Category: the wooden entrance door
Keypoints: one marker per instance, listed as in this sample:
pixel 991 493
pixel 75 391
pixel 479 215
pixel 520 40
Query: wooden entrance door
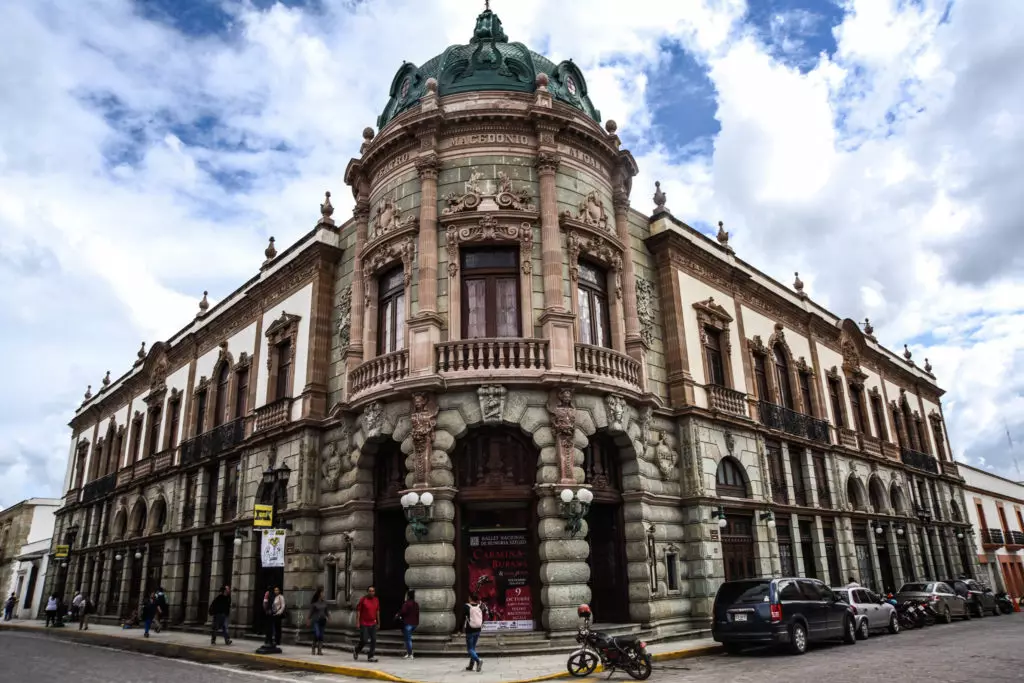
pixel 609 582
pixel 389 564
pixel 738 547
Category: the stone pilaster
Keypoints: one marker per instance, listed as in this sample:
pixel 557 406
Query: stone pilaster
pixel 558 323
pixel 192 606
pixel 425 326
pixel 564 572
pixel 124 584
pixel 355 353
pixel 636 347
pixel 104 587
pixel 431 571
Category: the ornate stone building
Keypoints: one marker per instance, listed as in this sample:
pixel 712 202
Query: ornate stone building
pixel 498 332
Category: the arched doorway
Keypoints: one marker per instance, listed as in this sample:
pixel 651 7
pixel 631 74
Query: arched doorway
pixel 737 537
pixel 496 552
pixel 389 541
pixel 609 581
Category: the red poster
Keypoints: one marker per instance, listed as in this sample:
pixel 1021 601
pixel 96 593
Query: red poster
pixel 499 572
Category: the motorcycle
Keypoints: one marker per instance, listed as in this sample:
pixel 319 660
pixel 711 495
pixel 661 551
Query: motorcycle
pixel 930 615
pixel 612 653
pixel 1004 602
pixel 907 615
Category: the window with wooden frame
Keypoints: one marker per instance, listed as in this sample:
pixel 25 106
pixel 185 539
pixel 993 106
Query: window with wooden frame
pixel 241 391
pixel 173 420
pixel 897 425
pixel 922 435
pixel 99 469
pixel 713 356
pixel 782 376
pixel 592 301
pixel 136 437
pixel 114 456
pixel 835 397
pixel 729 480
pixel 761 379
pixel 282 340
pixel 220 403
pixel 391 311
pixel 939 435
pixel 878 414
pixel 713 322
pixel 153 431
pixel 857 406
pixel 283 375
pixel 80 459
pixel 908 426
pixel 490 293
pixel 232 480
pixel 804 377
pixel 200 411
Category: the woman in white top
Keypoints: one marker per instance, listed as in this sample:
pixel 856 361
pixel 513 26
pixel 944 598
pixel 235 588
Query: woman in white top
pixel 51 610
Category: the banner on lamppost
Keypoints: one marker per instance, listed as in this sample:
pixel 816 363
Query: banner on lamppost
pixel 62 552
pixel 263 516
pixel 272 548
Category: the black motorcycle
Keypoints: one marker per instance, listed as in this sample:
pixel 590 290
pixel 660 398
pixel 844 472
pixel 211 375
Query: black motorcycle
pixel 907 614
pixel 1004 602
pixel 612 653
pixel 930 615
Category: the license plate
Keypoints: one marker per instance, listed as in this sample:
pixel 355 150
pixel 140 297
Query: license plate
pixel 739 617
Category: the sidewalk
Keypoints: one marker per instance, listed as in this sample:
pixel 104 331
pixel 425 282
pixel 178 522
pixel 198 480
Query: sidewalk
pixel 443 669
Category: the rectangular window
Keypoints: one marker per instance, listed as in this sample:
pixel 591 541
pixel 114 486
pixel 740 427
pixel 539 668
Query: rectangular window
pixel 592 299
pixel 173 419
pixel 154 431
pixel 284 370
pixel 796 469
pixel 940 441
pixel 241 392
pixel 836 398
pixel 136 439
pixel 232 473
pixel 211 496
pixel 821 480
pixel 713 351
pixel 761 378
pixel 785 549
pixel 490 294
pixel 191 491
pixel 856 404
pixel 391 312
pixel 200 412
pixel 936 503
pixel 922 439
pixel 805 392
pixel 808 550
pixel 777 473
pixel 672 564
pixel 879 416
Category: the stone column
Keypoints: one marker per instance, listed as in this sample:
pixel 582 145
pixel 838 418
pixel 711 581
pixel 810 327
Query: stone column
pixel 104 587
pixel 425 326
pixel 636 347
pixel 787 474
pixel 564 572
pixel 895 556
pixel 143 588
pixel 192 606
pixel 876 565
pixel 124 581
pixel 355 353
pixel 558 324
pixel 218 510
pixel 216 569
pixel 431 567
pixel 818 529
pixel 811 479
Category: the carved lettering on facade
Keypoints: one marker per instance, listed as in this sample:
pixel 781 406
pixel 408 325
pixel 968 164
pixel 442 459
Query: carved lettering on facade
pixel 391 165
pixel 488 139
pixel 581 156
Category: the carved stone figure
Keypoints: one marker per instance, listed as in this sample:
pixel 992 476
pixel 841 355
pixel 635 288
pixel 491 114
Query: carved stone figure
pixel 388 217
pixel 616 406
pixel 424 420
pixel 730 443
pixel 345 318
pixel 645 309
pixel 373 419
pixel 646 414
pixel 665 456
pixel 592 211
pixel 330 467
pixel 563 424
pixel 492 402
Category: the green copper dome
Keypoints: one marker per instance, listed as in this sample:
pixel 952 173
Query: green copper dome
pixel 488 62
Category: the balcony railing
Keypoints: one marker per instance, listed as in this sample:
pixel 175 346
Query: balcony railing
pixel 993 537
pixel 381 370
pixel 71 497
pixel 99 487
pixel 142 468
pixel 920 461
pixel 1015 537
pixel 800 496
pixel 274 414
pixel 871 445
pixel 950 468
pixel 472 355
pixel 848 438
pixel 789 421
pixel 727 400
pixel 609 364
pixel 213 442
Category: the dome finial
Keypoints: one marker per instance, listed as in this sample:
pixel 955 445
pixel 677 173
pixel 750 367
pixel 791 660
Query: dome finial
pixel 270 252
pixel 906 353
pixel 798 285
pixel 723 236
pixel 204 305
pixel 488 27
pixel 326 210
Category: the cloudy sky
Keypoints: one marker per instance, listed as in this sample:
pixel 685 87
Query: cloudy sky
pixel 149 148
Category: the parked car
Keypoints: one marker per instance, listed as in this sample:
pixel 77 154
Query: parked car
pixel 980 598
pixel 940 595
pixel 792 612
pixel 871 612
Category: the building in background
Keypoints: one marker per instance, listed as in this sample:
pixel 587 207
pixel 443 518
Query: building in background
pixel 994 509
pixel 499 376
pixel 24 524
pixel 29 583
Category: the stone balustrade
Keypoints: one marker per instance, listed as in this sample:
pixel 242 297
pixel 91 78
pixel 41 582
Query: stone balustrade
pixel 274 414
pixel 607 364
pixel 472 355
pixel 727 400
pixel 380 371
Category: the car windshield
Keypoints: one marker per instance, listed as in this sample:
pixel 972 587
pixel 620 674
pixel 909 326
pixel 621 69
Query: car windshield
pixel 917 588
pixel 743 592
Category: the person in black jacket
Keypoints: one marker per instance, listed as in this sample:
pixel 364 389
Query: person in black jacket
pixel 220 608
pixel 163 610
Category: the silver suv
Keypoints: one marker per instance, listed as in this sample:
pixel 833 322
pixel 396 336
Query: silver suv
pixel 873 613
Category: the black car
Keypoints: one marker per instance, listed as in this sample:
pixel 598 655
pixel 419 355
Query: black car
pixel 980 598
pixel 791 611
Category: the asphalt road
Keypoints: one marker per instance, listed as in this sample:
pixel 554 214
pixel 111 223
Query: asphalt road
pixel 987 649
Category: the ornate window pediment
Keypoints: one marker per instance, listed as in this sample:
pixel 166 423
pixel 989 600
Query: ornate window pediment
pixel 489 229
pixel 479 194
pixel 598 247
pixel 202 385
pixel 590 212
pixel 278 329
pixel 377 257
pixel 757 346
pixel 244 361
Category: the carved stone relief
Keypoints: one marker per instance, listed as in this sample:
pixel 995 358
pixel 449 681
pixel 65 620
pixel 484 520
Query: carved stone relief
pixel 665 456
pixel 492 402
pixel 488 195
pixel 345 318
pixel 373 419
pixel 591 211
pixel 645 309
pixel 388 217
pixel 489 230
pixel 644 422
pixel 330 466
pixel 424 421
pixel 616 406
pixel 562 410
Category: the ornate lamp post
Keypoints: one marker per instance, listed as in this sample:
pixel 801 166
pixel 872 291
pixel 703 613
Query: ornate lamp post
pixel 419 511
pixel 275 481
pixel 573 507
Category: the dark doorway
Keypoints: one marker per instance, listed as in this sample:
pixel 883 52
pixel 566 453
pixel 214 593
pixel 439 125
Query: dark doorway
pixel 155 571
pixel 609 580
pixel 906 559
pixel 134 586
pixel 205 576
pixel 185 559
pixel 266 579
pixel 807 548
pixel 965 558
pixel 831 554
pixel 738 546
pixel 885 564
pixel 389 544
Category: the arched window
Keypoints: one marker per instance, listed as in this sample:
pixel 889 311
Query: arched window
pixel 853 494
pixel 729 480
pixel 592 299
pixel 391 311
pixel 220 409
pixel 159 516
pixel 138 520
pixel 896 499
pixel 490 293
pixel 876 495
pixel 782 376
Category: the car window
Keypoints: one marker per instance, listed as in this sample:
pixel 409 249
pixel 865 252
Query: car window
pixel 815 590
pixel 863 597
pixel 961 588
pixel 789 591
pixel 942 588
pixel 916 588
pixel 842 594
pixel 733 592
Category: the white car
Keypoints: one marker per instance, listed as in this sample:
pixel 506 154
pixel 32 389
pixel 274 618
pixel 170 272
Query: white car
pixel 873 613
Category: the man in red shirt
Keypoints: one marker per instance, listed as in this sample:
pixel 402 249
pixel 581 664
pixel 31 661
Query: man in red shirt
pixel 368 612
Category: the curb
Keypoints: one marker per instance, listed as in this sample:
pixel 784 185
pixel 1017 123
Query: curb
pixel 212 655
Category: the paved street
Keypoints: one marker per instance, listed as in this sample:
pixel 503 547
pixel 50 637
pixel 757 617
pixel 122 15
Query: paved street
pixel 987 648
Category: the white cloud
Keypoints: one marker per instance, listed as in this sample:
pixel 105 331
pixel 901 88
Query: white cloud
pixel 888 174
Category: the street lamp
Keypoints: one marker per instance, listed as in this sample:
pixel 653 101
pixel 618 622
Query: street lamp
pixel 768 515
pixel 419 511
pixel 719 514
pixel 573 507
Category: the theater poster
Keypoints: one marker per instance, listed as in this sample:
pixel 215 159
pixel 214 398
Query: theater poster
pixel 499 572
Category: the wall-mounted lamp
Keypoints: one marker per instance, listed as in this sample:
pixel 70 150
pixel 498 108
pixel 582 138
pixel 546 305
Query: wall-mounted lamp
pixel 878 528
pixel 719 514
pixel 768 515
pixel 419 511
pixel 240 535
pixel 573 507
pixel 960 535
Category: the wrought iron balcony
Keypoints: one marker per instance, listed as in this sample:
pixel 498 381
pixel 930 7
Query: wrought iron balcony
pixel 824 499
pixel 992 537
pixel 779 494
pixel 918 460
pixel 727 400
pixel 1015 538
pixel 213 442
pixel 789 421
pixel 98 488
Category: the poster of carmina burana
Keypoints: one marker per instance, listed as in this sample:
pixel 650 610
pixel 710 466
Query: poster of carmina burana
pixel 499 572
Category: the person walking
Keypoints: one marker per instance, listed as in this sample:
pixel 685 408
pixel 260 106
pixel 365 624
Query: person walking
pixel 149 610
pixel 220 609
pixel 163 610
pixel 83 614
pixel 317 618
pixel 277 608
pixel 410 615
pixel 8 607
pixel 368 612
pixel 51 610
pixel 76 604
pixel 852 583
pixel 473 623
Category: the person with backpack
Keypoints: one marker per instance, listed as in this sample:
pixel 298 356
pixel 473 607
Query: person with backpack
pixel 368 613
pixel 9 606
pixel 148 613
pixel 473 623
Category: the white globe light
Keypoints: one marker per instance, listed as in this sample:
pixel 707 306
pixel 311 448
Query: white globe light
pixel 237 542
pixel 771 523
pixel 878 530
pixel 960 535
pixel 585 495
pixel 427 498
pixel 138 555
pixel 118 557
pixel 899 532
pixel 722 523
pixel 406 502
pixel 566 495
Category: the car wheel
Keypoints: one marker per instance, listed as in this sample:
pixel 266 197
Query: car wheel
pixel 979 611
pixel 850 632
pixel 798 639
pixel 967 615
pixel 947 618
pixel 863 631
pixel 894 624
